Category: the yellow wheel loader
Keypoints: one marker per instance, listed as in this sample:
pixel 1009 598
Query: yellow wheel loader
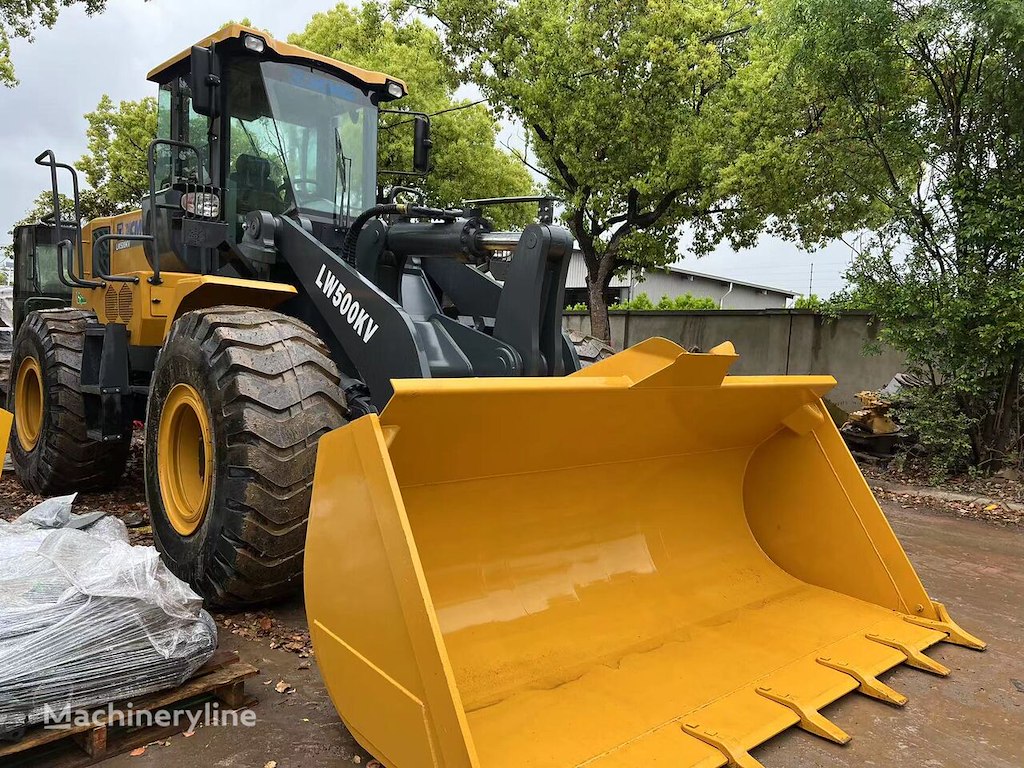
pixel 344 387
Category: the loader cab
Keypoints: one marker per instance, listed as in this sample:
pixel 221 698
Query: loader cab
pixel 247 123
pixel 37 282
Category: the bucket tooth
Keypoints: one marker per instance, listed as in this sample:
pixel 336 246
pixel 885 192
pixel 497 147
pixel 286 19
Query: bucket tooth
pixel 811 720
pixel 954 633
pixel 867 684
pixel 736 755
pixel 915 658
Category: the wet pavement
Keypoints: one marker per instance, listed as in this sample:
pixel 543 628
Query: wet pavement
pixel 973 718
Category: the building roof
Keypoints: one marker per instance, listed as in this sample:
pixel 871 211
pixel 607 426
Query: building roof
pixel 578 277
pixel 689 272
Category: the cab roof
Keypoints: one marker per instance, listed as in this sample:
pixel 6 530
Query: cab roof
pixel 285 51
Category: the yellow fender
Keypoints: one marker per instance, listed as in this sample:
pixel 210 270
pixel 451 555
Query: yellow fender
pixel 644 563
pixel 6 422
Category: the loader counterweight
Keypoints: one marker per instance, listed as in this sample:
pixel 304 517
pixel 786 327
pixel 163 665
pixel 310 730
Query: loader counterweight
pixel 678 589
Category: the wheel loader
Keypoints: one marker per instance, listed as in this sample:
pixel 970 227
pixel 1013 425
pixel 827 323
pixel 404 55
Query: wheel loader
pixel 346 388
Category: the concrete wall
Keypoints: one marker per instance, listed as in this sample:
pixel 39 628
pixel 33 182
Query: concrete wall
pixel 770 342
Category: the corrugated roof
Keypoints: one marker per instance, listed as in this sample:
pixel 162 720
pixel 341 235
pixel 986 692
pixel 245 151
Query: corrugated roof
pixel 680 271
pixel 577 277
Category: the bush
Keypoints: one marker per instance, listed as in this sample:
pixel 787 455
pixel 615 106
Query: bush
pixel 941 429
pixel 637 303
pixel 683 303
pixel 687 302
pixel 578 307
pixel 812 302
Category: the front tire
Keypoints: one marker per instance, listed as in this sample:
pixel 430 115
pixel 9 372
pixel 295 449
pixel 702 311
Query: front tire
pixel 51 451
pixel 238 401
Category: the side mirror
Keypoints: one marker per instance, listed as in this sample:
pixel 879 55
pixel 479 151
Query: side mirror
pixel 421 144
pixel 205 81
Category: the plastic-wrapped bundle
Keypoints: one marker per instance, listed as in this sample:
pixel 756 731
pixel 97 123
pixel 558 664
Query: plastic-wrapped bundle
pixel 86 618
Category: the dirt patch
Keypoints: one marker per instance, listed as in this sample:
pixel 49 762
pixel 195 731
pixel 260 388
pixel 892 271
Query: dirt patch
pixel 998 500
pixel 1008 485
pixel 275 632
pixel 127 501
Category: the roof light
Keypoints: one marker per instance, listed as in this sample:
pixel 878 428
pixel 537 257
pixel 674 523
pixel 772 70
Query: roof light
pixel 254 43
pixel 395 89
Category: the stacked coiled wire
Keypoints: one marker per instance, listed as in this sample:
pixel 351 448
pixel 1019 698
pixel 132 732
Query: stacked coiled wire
pixel 87 619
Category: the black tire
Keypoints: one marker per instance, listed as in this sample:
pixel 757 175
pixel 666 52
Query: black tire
pixel 271 390
pixel 62 459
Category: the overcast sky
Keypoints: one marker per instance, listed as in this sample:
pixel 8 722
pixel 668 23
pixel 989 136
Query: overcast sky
pixel 66 70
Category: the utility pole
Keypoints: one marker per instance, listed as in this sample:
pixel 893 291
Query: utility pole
pixel 810 284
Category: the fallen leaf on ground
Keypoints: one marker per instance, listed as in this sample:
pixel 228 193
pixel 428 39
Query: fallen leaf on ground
pixel 283 687
pixel 138 752
pixel 270 764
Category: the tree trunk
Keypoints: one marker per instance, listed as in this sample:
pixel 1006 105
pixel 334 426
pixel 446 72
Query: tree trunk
pixel 599 325
pixel 998 429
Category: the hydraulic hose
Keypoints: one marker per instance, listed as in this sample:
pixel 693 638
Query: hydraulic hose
pixel 348 247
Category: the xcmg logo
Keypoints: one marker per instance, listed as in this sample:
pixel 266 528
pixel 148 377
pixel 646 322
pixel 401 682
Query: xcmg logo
pixel 129 227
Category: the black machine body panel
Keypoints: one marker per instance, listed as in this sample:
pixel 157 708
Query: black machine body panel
pixel 432 315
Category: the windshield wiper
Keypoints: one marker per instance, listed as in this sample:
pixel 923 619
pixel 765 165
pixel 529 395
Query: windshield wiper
pixel 340 174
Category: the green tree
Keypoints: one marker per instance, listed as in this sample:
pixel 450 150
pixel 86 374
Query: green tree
pixel 19 18
pixel 627 106
pixel 466 161
pixel 115 164
pixel 910 115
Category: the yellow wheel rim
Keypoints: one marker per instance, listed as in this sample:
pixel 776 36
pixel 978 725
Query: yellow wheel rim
pixel 184 458
pixel 28 402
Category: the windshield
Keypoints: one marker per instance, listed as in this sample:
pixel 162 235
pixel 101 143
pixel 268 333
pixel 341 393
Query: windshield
pixel 300 139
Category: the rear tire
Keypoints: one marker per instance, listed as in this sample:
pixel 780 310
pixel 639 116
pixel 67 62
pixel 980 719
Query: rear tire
pixel 268 390
pixel 50 449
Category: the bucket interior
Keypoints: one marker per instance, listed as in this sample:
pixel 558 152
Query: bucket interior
pixel 604 562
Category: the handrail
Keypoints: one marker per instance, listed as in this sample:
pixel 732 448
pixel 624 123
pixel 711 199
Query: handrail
pixel 151 167
pixel 107 238
pixel 65 278
pixel 51 162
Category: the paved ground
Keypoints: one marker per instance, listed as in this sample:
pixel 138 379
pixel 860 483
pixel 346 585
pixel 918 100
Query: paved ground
pixel 973 718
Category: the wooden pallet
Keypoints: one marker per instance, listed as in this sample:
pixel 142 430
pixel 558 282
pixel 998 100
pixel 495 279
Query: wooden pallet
pixel 221 679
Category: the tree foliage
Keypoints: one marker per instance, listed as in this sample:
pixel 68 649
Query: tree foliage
pixel 20 19
pixel 908 115
pixel 467 163
pixel 115 163
pixel 812 302
pixel 628 108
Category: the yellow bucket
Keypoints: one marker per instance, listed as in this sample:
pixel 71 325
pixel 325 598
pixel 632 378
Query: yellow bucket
pixel 646 563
